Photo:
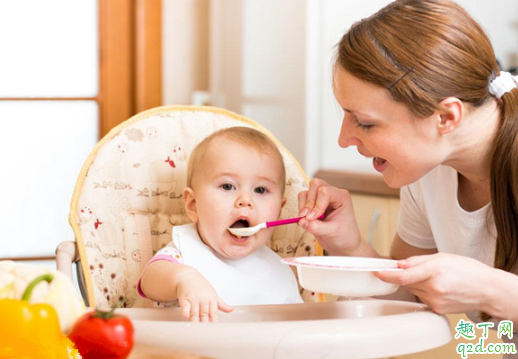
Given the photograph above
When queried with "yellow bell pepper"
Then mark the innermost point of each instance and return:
(32, 331)
(60, 293)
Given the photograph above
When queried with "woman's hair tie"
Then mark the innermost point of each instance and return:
(502, 84)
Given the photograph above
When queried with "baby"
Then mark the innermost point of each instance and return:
(235, 178)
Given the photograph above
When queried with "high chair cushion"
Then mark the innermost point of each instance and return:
(128, 197)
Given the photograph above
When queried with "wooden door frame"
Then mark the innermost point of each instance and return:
(130, 59)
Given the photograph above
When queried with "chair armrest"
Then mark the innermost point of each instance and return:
(66, 255)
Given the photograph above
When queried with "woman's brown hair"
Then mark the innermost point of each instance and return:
(424, 51)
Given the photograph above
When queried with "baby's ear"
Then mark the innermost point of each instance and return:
(284, 200)
(189, 202)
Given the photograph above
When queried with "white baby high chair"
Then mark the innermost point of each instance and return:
(128, 197)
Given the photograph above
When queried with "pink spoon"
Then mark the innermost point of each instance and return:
(248, 231)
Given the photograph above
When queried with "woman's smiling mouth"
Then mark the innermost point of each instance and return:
(379, 163)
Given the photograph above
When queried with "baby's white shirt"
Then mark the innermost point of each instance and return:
(259, 278)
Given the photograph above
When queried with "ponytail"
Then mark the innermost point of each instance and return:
(504, 184)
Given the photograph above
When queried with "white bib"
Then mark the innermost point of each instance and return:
(259, 278)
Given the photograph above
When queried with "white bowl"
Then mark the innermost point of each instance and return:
(344, 276)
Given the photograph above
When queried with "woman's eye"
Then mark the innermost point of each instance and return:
(359, 124)
(260, 190)
(227, 186)
(363, 126)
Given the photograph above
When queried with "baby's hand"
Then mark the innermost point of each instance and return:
(198, 299)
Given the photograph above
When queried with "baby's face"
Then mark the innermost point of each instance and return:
(236, 186)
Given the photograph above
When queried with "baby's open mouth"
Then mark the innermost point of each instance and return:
(240, 223)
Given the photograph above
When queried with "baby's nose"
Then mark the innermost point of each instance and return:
(244, 201)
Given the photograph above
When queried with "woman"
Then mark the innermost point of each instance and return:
(423, 96)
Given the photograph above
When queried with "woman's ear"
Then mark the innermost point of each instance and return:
(450, 115)
(189, 202)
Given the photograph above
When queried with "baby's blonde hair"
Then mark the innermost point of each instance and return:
(245, 135)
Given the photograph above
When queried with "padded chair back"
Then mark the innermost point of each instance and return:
(128, 197)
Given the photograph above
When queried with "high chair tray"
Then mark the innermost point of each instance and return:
(347, 329)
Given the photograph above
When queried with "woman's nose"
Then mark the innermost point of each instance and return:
(346, 137)
(244, 200)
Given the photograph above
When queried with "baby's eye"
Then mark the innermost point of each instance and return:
(260, 190)
(227, 186)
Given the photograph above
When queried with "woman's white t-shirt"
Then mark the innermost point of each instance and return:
(431, 217)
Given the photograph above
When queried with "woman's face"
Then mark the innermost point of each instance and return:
(403, 148)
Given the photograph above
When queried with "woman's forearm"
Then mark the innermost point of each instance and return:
(503, 297)
(363, 249)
